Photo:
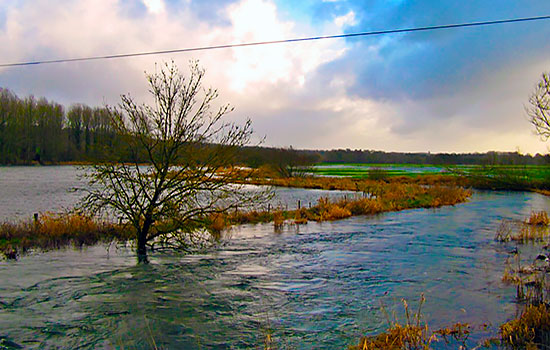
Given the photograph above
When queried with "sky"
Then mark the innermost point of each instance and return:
(453, 90)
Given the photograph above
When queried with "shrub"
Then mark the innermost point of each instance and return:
(377, 174)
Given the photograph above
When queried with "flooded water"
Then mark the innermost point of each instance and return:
(26, 190)
(395, 168)
(314, 286)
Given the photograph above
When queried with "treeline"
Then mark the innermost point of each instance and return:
(37, 130)
(280, 158)
(489, 158)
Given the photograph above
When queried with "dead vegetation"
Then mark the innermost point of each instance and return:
(538, 218)
(53, 231)
(531, 328)
(415, 334)
(533, 229)
(378, 198)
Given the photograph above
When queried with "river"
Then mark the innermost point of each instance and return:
(319, 285)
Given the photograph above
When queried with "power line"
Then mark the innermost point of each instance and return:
(227, 46)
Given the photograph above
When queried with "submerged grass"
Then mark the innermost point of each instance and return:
(415, 334)
(532, 229)
(531, 328)
(538, 218)
(491, 177)
(53, 231)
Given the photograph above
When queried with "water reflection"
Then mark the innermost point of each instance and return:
(26, 190)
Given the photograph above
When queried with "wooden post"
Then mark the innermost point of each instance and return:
(299, 204)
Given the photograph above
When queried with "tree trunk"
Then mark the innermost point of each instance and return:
(142, 241)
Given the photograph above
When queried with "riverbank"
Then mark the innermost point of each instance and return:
(54, 231)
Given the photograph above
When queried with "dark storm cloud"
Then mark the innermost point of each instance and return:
(420, 65)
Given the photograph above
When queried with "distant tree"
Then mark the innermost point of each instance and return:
(288, 162)
(190, 151)
(539, 107)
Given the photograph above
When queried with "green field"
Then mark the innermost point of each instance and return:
(366, 170)
(527, 172)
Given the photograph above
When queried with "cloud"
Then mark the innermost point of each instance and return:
(154, 6)
(346, 20)
(453, 90)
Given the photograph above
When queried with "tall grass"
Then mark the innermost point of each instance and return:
(529, 331)
(532, 229)
(531, 328)
(538, 218)
(51, 231)
(376, 199)
(414, 334)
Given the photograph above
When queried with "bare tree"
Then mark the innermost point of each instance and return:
(539, 109)
(182, 166)
(288, 162)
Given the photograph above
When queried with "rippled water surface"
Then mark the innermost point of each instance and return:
(313, 286)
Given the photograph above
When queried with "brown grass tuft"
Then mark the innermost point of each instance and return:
(538, 218)
(52, 231)
(530, 330)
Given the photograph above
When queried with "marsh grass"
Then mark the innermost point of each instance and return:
(377, 173)
(414, 334)
(53, 231)
(533, 229)
(538, 218)
(261, 177)
(375, 199)
(529, 331)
